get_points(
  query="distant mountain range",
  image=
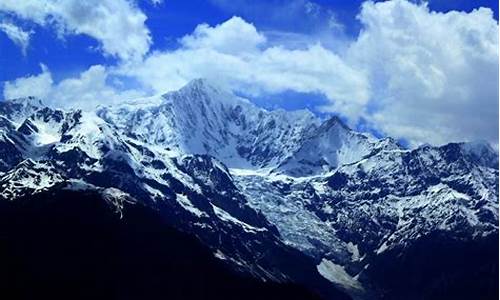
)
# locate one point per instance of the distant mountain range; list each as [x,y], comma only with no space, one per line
[275,196]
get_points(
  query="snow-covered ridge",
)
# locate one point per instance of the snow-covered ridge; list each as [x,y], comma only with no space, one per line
[203,119]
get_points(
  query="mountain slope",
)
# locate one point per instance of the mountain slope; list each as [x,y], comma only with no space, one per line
[193,193]
[50,248]
[280,196]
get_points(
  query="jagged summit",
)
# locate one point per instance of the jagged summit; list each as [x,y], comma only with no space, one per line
[198,88]
[25,101]
[478,147]
[202,85]
[202,89]
[203,119]
[334,121]
[19,108]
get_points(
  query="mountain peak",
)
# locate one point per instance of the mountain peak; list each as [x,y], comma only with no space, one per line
[478,145]
[203,85]
[25,101]
[481,152]
[335,121]
[203,90]
[18,109]
[198,82]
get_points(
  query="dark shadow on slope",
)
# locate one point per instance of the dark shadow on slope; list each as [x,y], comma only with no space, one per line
[439,267]
[69,245]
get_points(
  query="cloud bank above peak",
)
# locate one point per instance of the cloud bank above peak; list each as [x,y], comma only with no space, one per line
[86,91]
[238,56]
[411,73]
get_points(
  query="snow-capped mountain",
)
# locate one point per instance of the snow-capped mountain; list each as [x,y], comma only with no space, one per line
[203,119]
[282,196]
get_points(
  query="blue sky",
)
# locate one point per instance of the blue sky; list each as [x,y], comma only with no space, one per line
[348,37]
[172,19]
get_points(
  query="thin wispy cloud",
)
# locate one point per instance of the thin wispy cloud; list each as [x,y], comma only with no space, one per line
[19,36]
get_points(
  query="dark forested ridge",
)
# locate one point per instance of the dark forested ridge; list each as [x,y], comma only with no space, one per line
[72,246]
[438,267]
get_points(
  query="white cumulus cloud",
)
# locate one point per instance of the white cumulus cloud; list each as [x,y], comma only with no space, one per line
[434,75]
[235,36]
[118,25]
[87,90]
[33,85]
